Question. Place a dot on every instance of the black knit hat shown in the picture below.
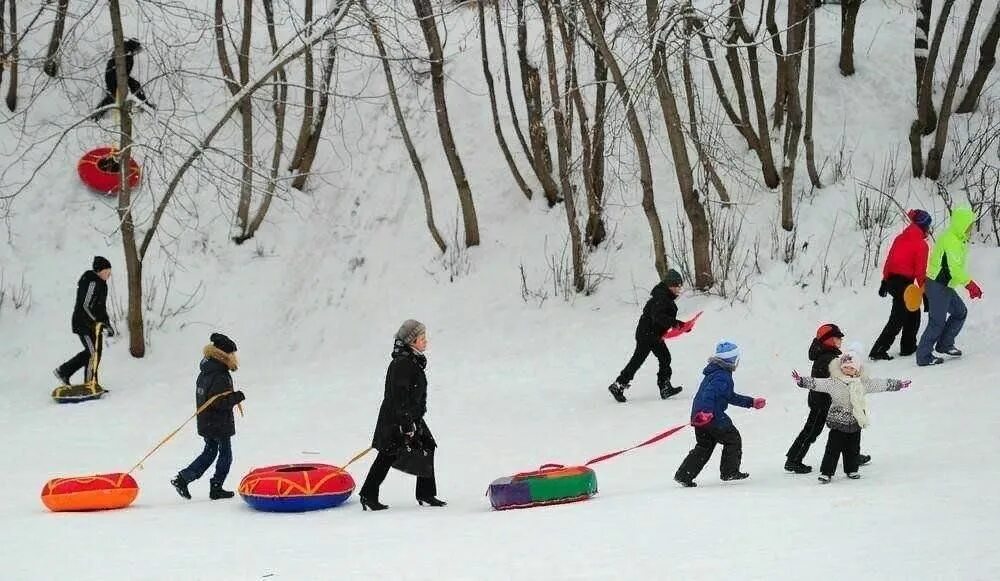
(101, 263)
(673, 278)
(225, 344)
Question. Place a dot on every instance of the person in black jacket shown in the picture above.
(402, 437)
(132, 48)
(216, 425)
(659, 314)
(89, 309)
(824, 349)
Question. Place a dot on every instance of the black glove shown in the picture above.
(923, 301)
(238, 397)
(882, 290)
(109, 330)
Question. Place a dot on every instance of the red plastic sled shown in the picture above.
(683, 328)
(99, 169)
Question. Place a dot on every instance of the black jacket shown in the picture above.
(111, 70)
(822, 356)
(659, 314)
(217, 420)
(404, 404)
(91, 303)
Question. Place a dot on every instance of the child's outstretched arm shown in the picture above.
(814, 384)
(875, 385)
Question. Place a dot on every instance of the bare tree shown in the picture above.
(596, 231)
(507, 88)
(691, 93)
(925, 98)
(51, 66)
(638, 137)
(921, 36)
(12, 56)
(987, 59)
(941, 137)
(848, 19)
(418, 167)
(807, 138)
(779, 84)
(494, 111)
(307, 95)
(436, 57)
(303, 165)
(797, 12)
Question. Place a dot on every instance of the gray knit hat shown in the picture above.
(673, 278)
(410, 330)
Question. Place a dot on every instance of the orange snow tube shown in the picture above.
(85, 493)
(100, 169)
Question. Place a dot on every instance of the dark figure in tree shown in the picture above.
(132, 48)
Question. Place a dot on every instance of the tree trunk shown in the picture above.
(418, 167)
(430, 31)
(246, 117)
(3, 37)
(507, 87)
(133, 261)
(531, 84)
(779, 84)
(279, 97)
(311, 146)
(987, 59)
(796, 41)
(807, 139)
(596, 231)
(12, 57)
(497, 128)
(51, 66)
(764, 151)
(220, 49)
(921, 35)
(848, 18)
(691, 93)
(307, 96)
(926, 115)
(678, 149)
(638, 138)
(933, 170)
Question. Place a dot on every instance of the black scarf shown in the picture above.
(401, 349)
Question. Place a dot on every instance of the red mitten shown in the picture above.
(702, 419)
(904, 384)
(759, 402)
(974, 291)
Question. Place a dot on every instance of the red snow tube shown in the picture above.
(100, 169)
(85, 493)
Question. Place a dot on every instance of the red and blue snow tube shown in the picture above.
(296, 487)
(100, 169)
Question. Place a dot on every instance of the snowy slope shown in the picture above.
(313, 302)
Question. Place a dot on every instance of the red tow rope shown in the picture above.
(653, 440)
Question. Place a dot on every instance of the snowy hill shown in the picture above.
(518, 375)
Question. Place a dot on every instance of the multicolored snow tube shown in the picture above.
(550, 484)
(296, 487)
(83, 493)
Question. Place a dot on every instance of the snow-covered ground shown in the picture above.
(314, 300)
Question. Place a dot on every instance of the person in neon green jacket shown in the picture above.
(947, 270)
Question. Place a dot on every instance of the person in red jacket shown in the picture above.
(905, 264)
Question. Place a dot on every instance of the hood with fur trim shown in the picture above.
(230, 360)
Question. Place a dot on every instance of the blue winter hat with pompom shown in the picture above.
(727, 351)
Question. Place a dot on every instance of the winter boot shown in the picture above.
(853, 475)
(59, 375)
(667, 390)
(216, 492)
(932, 361)
(824, 479)
(617, 390)
(371, 503)
(797, 467)
(685, 482)
(181, 486)
(735, 476)
(431, 501)
(864, 459)
(953, 351)
(880, 356)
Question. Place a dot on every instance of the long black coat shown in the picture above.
(404, 405)
(821, 355)
(91, 306)
(217, 420)
(659, 314)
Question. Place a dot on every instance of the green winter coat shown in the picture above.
(947, 263)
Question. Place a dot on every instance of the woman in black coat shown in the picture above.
(402, 438)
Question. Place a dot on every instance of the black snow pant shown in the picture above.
(705, 440)
(900, 319)
(645, 344)
(819, 406)
(89, 358)
(111, 87)
(840, 443)
(426, 485)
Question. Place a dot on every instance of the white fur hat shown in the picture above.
(850, 360)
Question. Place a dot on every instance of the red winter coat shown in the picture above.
(908, 255)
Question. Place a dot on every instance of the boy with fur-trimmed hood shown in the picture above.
(216, 424)
(848, 415)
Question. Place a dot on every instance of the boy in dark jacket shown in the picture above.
(89, 309)
(216, 425)
(823, 350)
(905, 264)
(711, 423)
(659, 314)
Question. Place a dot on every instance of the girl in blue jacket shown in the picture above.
(711, 424)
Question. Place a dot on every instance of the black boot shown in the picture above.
(181, 486)
(685, 482)
(431, 501)
(617, 390)
(668, 390)
(371, 503)
(735, 476)
(797, 467)
(864, 459)
(216, 492)
(880, 356)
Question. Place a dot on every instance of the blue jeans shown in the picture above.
(220, 447)
(944, 321)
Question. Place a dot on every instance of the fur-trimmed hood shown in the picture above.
(230, 360)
